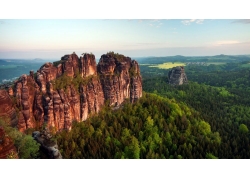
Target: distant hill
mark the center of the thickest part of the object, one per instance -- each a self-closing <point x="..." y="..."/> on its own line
<point x="37" y="59"/>
<point x="180" y="58"/>
<point x="2" y="62"/>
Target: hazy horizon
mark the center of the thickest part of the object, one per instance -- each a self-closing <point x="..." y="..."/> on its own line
<point x="97" y="58"/>
<point x="51" y="39"/>
<point x="38" y="58"/>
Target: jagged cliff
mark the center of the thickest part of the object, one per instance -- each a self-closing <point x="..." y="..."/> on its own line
<point x="70" y="89"/>
<point x="177" y="76"/>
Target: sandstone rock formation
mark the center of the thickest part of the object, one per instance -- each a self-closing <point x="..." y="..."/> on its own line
<point x="48" y="145"/>
<point x="120" y="78"/>
<point x="7" y="107"/>
<point x="71" y="89"/>
<point x="177" y="76"/>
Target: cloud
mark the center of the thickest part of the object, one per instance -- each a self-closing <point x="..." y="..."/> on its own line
<point x="188" y="22"/>
<point x="155" y="23"/>
<point x="242" y="21"/>
<point x="151" y="22"/>
<point x="199" y="21"/>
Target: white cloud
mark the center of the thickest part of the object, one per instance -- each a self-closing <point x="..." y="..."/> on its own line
<point x="151" y="22"/>
<point x="199" y="21"/>
<point x="155" y="23"/>
<point x="188" y="22"/>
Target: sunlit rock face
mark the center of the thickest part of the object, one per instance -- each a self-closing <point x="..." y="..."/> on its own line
<point x="177" y="76"/>
<point x="45" y="97"/>
<point x="87" y="65"/>
<point x="120" y="78"/>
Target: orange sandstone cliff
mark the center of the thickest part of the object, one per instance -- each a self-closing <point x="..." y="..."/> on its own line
<point x="70" y="89"/>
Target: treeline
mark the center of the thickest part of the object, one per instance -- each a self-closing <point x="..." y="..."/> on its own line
<point x="153" y="127"/>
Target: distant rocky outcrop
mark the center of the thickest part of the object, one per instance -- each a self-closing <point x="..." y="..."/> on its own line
<point x="177" y="76"/>
<point x="70" y="89"/>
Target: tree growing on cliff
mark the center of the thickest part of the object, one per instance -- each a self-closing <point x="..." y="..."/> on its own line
<point x="27" y="147"/>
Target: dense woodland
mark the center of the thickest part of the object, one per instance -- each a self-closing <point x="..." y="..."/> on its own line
<point x="220" y="93"/>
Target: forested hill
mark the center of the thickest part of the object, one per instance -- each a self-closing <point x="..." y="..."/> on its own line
<point x="222" y="99"/>
<point x="179" y="58"/>
<point x="2" y="62"/>
<point x="153" y="127"/>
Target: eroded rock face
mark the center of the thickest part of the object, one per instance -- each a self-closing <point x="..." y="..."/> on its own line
<point x="25" y="96"/>
<point x="45" y="98"/>
<point x="120" y="78"/>
<point x="7" y="109"/>
<point x="87" y="65"/>
<point x="70" y="65"/>
<point x="177" y="76"/>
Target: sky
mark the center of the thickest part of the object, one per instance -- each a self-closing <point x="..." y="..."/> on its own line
<point x="131" y="37"/>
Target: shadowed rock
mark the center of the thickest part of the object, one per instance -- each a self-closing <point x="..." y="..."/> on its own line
<point x="48" y="145"/>
<point x="177" y="76"/>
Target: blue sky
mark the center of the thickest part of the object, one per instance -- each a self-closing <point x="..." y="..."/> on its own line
<point x="135" y="38"/>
